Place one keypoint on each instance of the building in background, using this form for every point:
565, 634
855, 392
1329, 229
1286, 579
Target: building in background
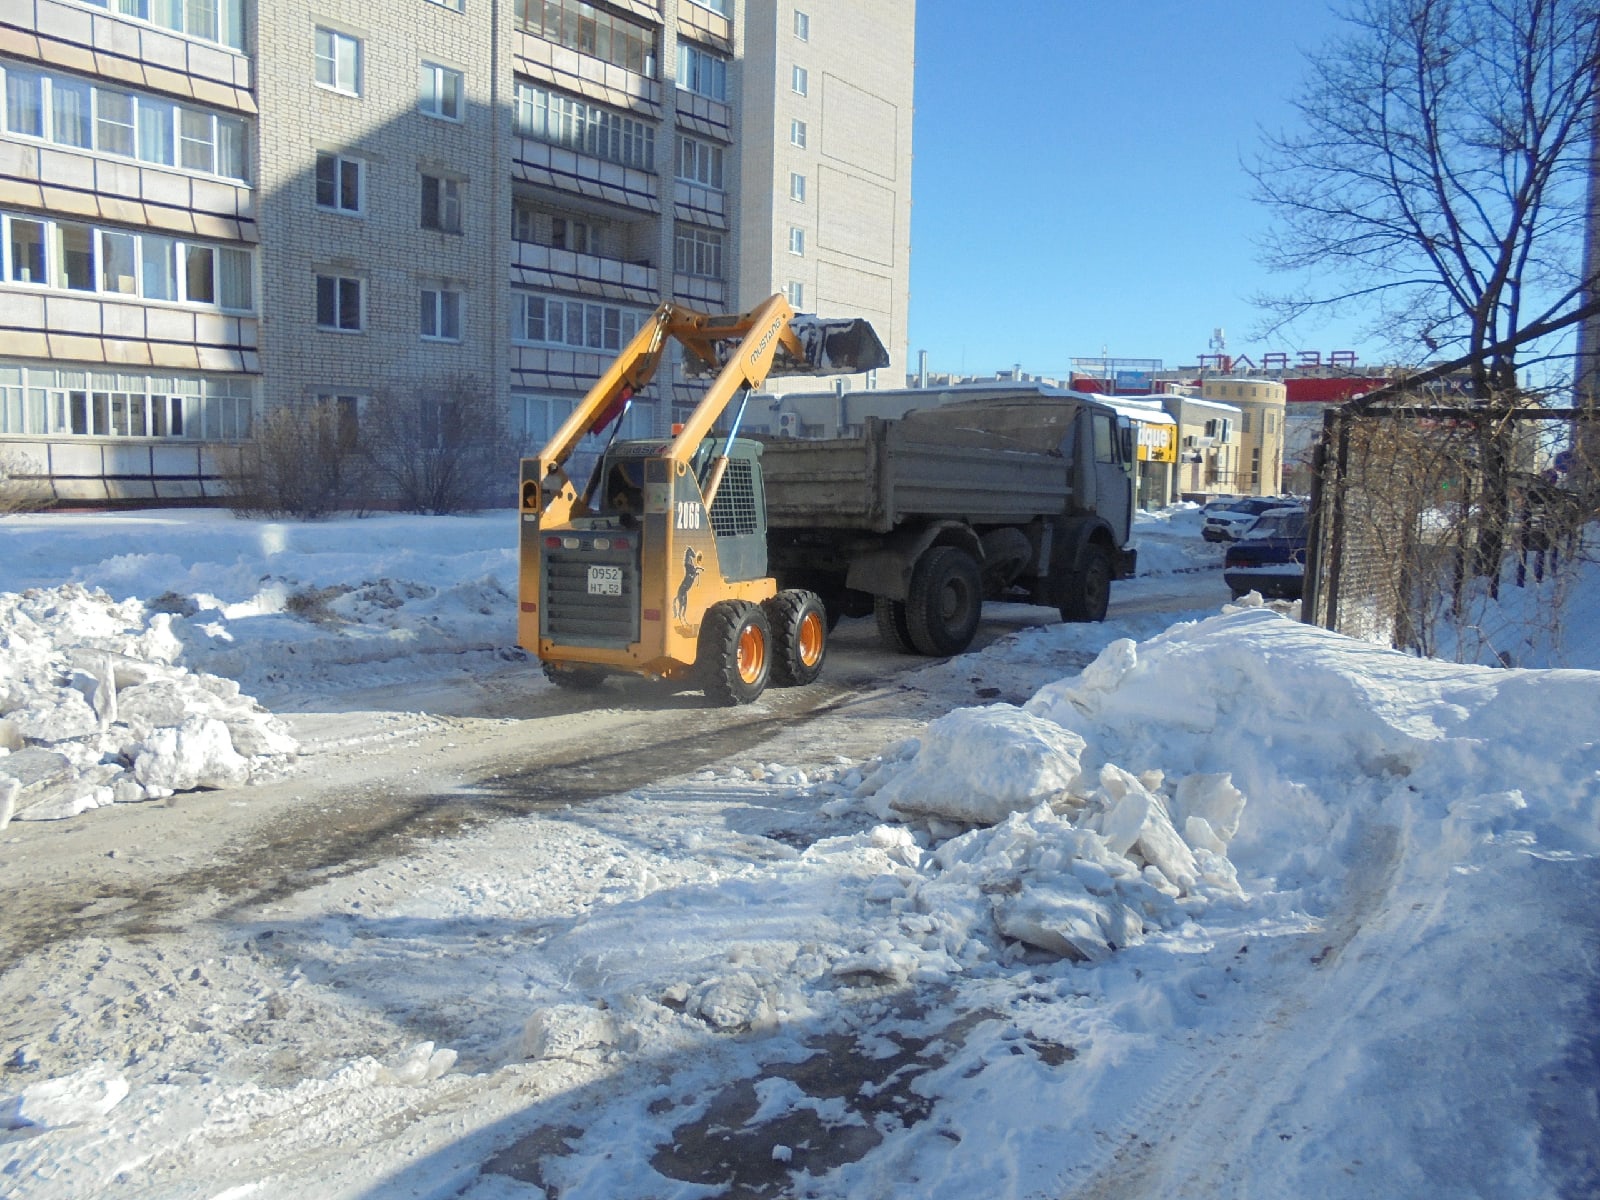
217, 209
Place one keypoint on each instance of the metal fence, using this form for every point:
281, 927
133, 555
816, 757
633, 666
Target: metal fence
1423, 516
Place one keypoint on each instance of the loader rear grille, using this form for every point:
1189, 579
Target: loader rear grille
572, 614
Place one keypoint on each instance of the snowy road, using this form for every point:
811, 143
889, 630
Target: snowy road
1189, 904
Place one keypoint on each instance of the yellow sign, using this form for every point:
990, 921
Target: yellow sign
1157, 443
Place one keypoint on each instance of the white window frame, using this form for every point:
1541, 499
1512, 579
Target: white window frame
795, 292
800, 81
700, 162
440, 307
593, 326
702, 72
802, 25
334, 65
453, 5
221, 22
338, 325
797, 187
442, 92
341, 163
229, 271
697, 252
797, 241
797, 133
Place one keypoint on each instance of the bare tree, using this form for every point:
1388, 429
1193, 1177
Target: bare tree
442, 449
302, 462
23, 488
1439, 180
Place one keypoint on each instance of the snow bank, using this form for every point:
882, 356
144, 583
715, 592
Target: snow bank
94, 709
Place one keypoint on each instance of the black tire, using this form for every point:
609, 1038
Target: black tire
945, 601
1088, 590
799, 637
735, 652
892, 630
574, 678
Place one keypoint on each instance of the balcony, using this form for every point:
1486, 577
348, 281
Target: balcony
549, 269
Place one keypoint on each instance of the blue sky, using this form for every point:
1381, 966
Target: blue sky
1077, 181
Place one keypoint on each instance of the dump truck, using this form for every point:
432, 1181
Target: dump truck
1016, 492
658, 566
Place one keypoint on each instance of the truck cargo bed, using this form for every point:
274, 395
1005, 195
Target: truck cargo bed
876, 481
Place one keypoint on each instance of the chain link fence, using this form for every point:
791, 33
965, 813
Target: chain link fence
1452, 531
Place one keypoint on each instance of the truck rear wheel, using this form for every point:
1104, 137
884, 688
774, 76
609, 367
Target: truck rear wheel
735, 652
945, 601
892, 630
1088, 590
799, 637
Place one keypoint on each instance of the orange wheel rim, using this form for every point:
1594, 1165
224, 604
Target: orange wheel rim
752, 653
810, 640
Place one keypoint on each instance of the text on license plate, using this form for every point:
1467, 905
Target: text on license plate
605, 581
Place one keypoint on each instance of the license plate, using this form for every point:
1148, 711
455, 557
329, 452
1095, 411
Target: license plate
605, 581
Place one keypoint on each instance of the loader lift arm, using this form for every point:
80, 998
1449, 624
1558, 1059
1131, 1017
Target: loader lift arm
737, 351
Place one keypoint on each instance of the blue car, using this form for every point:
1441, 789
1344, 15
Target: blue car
1269, 557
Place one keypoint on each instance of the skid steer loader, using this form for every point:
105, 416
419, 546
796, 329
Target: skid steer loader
659, 566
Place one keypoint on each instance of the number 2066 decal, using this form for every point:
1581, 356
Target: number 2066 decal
689, 514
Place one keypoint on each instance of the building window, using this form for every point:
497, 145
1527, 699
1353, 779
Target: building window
441, 315
796, 293
440, 92
797, 240
89, 116
799, 81
348, 406
716, 6
339, 303
339, 181
697, 251
577, 236
338, 61
578, 125
701, 72
797, 134
441, 204
457, 5
105, 404
700, 162
115, 262
802, 25
797, 187
220, 21
574, 324
592, 31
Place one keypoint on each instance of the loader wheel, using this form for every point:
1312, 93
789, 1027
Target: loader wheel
735, 653
577, 679
1088, 591
799, 637
944, 602
892, 630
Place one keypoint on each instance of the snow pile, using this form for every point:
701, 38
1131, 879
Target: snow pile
94, 709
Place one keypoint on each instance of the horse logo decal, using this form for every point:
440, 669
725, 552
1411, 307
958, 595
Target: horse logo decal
693, 568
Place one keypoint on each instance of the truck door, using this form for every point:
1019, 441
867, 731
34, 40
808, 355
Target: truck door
1113, 478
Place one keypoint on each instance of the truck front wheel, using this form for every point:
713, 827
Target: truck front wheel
1088, 590
945, 601
735, 652
799, 637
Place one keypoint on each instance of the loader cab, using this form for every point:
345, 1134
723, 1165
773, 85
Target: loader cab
739, 510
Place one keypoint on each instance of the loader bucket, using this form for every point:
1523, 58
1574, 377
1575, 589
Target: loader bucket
842, 346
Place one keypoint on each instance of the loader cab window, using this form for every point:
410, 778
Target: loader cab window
624, 488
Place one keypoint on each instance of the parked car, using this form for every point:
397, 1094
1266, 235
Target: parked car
1227, 523
1270, 556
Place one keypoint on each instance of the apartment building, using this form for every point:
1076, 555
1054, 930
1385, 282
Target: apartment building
213, 209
